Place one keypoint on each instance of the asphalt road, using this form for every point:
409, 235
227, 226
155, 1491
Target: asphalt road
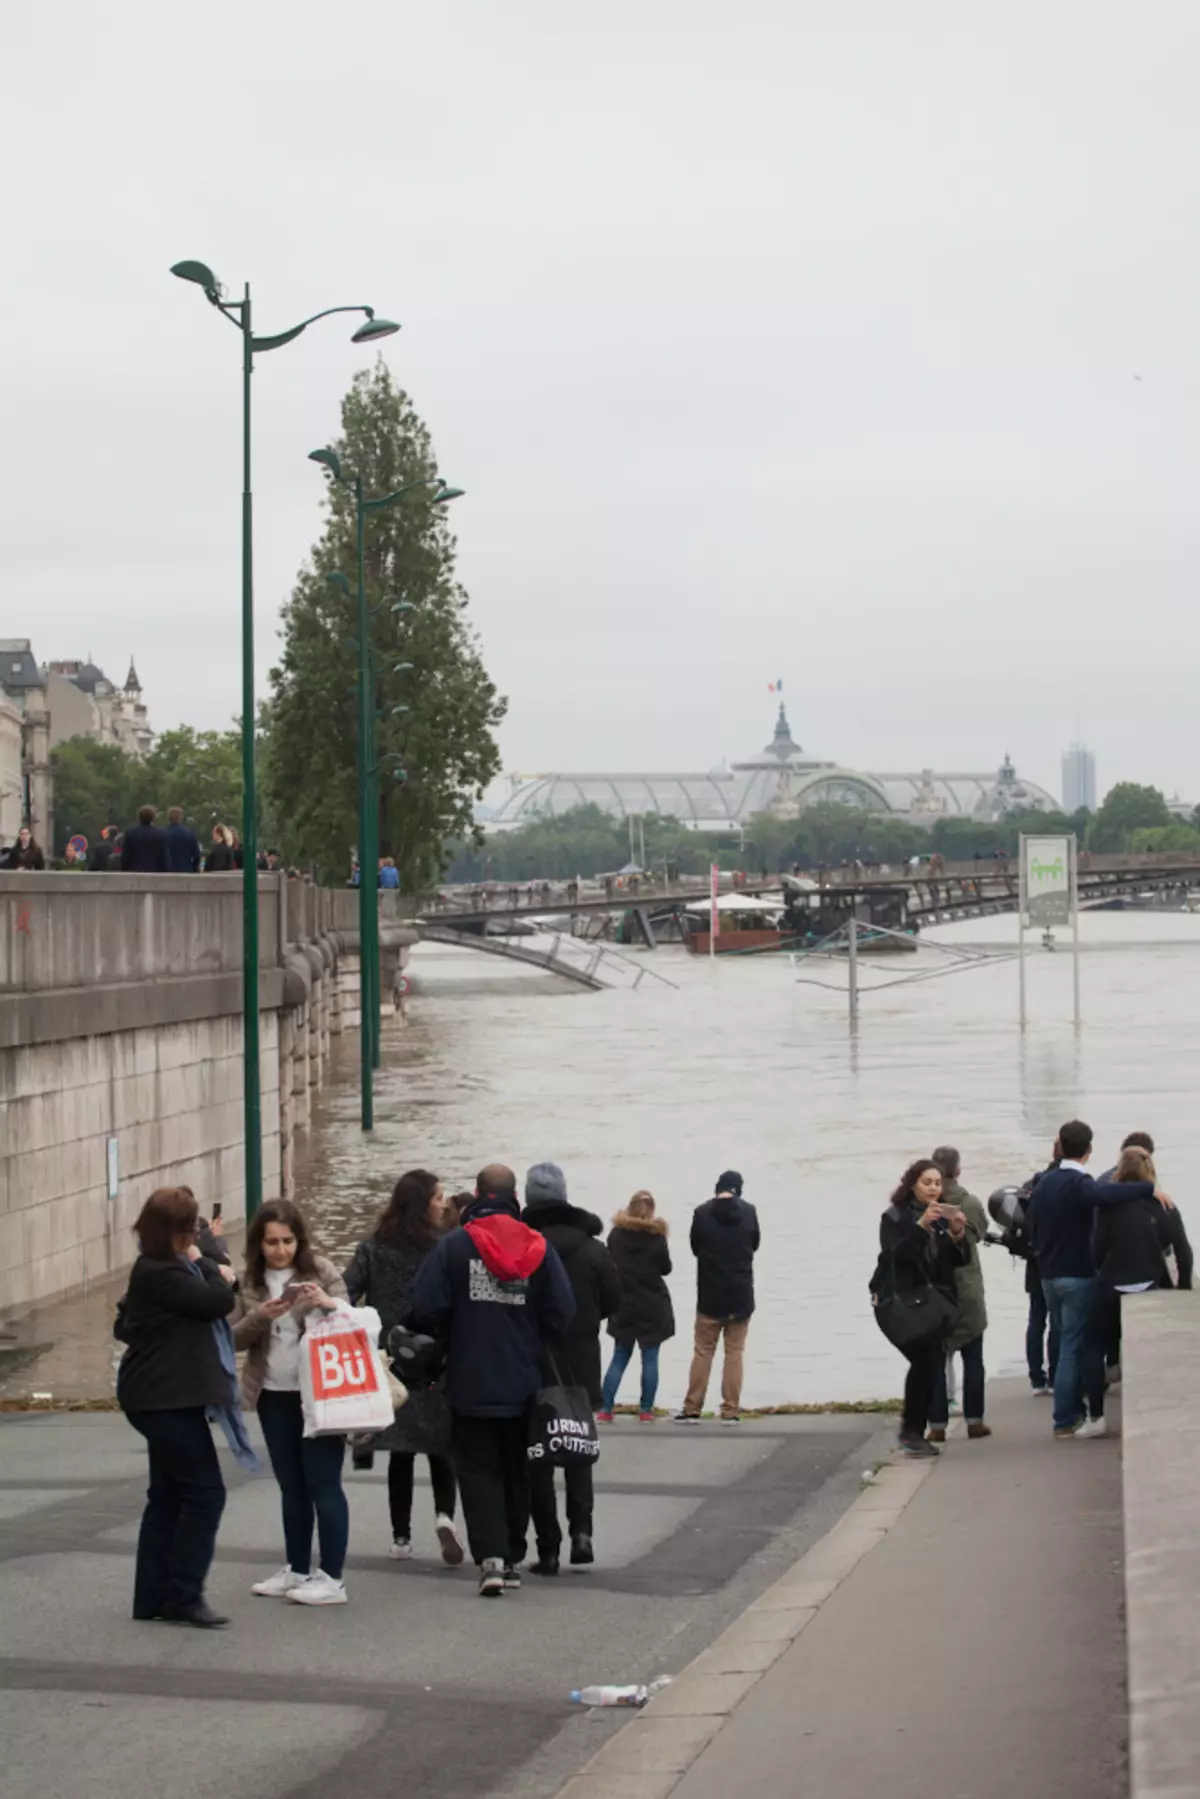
416, 1685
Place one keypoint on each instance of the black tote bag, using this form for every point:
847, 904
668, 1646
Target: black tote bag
916, 1319
562, 1425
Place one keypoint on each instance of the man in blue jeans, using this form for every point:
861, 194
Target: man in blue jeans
1061, 1213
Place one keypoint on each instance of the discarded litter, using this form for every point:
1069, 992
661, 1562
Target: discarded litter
632, 1696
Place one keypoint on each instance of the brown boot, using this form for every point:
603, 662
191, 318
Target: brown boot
979, 1430
936, 1433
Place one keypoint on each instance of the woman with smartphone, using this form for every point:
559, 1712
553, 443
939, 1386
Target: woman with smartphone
924, 1240
286, 1281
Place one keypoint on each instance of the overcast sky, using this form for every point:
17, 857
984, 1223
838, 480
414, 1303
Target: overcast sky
786, 339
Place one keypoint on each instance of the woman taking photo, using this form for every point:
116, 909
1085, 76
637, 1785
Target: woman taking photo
922, 1244
637, 1244
381, 1275
286, 1282
170, 1374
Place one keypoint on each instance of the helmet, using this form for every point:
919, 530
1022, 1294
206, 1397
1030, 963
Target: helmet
417, 1360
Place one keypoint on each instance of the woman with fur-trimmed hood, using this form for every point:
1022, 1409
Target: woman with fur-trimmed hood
645, 1317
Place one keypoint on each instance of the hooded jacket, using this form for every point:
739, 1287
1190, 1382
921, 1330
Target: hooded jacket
968, 1279
725, 1236
575, 1234
645, 1315
493, 1289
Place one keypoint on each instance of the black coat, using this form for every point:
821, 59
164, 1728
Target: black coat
920, 1258
1131, 1241
383, 1276
594, 1282
183, 850
166, 1318
219, 860
144, 851
645, 1315
493, 1289
725, 1236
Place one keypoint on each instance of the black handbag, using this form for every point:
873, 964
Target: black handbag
917, 1319
562, 1425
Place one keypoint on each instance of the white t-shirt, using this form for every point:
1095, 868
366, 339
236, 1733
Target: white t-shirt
283, 1345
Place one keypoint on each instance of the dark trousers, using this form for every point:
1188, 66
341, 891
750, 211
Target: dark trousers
973, 1386
544, 1504
184, 1502
400, 1488
1041, 1365
491, 1457
925, 1362
309, 1472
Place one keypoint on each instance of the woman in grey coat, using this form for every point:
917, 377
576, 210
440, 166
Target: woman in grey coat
381, 1275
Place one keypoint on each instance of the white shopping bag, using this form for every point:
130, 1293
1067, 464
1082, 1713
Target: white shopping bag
343, 1378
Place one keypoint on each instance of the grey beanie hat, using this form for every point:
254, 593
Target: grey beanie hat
545, 1185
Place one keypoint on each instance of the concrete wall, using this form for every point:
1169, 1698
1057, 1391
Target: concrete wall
120, 1019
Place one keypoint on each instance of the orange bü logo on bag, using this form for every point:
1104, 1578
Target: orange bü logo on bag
342, 1365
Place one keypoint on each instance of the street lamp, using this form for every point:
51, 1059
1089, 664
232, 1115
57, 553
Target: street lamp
368, 770
238, 314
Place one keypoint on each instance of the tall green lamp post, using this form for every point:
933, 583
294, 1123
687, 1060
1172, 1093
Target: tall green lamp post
368, 768
238, 314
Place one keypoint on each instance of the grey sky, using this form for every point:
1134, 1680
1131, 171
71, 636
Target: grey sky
789, 339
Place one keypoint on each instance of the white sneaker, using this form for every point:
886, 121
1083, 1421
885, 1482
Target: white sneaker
1094, 1427
452, 1549
401, 1549
279, 1585
318, 1589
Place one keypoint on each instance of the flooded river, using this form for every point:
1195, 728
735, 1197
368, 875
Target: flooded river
740, 1064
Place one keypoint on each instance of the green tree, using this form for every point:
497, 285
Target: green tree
445, 738
1127, 808
1172, 838
94, 785
198, 770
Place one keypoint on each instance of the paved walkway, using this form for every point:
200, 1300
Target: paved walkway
416, 1685
959, 1633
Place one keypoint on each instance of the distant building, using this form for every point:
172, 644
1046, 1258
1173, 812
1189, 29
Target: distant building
41, 707
1078, 778
782, 779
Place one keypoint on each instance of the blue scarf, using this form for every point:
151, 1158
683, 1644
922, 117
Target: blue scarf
230, 1417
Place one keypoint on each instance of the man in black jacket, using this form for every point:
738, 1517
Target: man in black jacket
573, 1358
725, 1238
144, 850
494, 1289
183, 846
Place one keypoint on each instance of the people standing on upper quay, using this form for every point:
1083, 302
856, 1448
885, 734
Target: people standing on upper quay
1172, 1234
1062, 1211
382, 1274
1130, 1257
725, 1239
923, 1244
144, 850
183, 846
645, 1317
494, 1290
25, 856
172, 1373
571, 1358
389, 874
286, 1282
220, 859
967, 1336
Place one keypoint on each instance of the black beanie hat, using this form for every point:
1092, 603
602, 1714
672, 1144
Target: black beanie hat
730, 1182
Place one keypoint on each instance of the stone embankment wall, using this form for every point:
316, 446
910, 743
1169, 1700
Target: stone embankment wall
121, 1052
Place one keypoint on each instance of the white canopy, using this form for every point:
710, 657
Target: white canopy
738, 902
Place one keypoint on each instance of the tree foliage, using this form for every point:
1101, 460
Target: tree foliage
98, 784
1127, 808
444, 740
93, 787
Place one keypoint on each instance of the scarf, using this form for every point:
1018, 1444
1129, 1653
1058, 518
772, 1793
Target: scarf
230, 1416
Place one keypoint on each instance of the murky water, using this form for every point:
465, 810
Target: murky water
744, 1066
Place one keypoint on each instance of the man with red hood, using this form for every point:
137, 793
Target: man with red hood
492, 1289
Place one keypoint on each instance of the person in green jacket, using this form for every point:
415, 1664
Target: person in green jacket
967, 1336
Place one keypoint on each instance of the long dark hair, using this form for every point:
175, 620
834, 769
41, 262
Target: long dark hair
905, 1192
278, 1211
404, 1222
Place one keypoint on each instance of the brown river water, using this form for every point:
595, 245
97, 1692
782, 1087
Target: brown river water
741, 1064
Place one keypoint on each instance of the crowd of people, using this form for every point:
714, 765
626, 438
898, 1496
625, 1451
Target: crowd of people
489, 1300
1087, 1245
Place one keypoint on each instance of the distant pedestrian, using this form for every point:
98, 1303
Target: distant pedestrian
381, 1274
966, 1339
144, 851
183, 846
25, 856
645, 1317
494, 1289
219, 860
389, 874
922, 1244
101, 852
172, 1372
725, 1239
286, 1282
571, 1357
